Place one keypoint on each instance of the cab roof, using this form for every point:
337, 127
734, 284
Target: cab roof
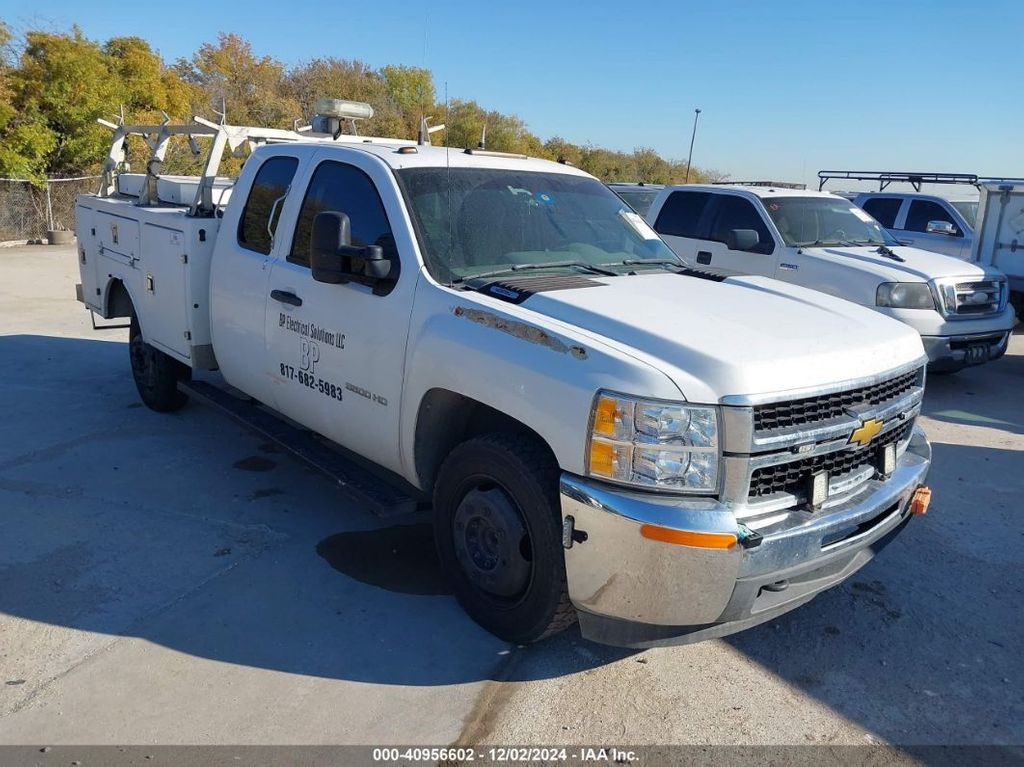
753, 191
919, 195
405, 154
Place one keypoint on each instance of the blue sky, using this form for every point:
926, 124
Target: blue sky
786, 87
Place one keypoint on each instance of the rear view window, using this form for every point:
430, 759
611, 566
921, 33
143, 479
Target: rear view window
681, 214
256, 229
884, 210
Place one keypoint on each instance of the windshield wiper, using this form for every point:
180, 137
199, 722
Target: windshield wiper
829, 243
882, 250
886, 252
591, 268
648, 262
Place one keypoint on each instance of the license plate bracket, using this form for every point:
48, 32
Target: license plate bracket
975, 354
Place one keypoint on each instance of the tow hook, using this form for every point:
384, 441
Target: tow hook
570, 534
748, 538
920, 500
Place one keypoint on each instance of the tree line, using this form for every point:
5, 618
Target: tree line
53, 87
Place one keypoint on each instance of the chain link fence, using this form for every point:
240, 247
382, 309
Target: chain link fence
28, 212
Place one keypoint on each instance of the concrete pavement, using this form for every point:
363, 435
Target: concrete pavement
171, 579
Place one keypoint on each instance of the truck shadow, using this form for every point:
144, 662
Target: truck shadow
977, 396
187, 531
921, 645
121, 522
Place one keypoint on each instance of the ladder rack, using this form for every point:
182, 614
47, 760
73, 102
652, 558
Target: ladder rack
224, 137
777, 184
884, 178
157, 138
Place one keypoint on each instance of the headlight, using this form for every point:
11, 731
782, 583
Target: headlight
661, 445
905, 295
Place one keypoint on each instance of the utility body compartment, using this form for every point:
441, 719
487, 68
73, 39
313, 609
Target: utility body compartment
162, 257
999, 237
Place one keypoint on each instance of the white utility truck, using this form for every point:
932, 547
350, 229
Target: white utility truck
602, 432
999, 235
825, 242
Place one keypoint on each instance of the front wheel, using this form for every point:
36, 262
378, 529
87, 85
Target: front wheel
156, 375
497, 525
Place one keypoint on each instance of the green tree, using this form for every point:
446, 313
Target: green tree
250, 86
465, 121
342, 79
146, 87
412, 91
51, 95
61, 85
6, 96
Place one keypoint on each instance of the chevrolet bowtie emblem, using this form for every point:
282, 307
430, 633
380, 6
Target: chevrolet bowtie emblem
866, 432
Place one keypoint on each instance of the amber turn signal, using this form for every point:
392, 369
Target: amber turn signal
920, 500
688, 537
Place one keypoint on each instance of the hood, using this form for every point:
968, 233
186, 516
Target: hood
917, 266
740, 336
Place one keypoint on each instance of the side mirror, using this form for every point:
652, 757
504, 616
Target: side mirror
333, 259
941, 227
742, 239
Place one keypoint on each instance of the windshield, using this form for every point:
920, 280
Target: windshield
968, 209
488, 220
814, 221
639, 200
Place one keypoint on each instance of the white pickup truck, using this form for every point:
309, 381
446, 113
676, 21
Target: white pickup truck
981, 224
823, 241
603, 433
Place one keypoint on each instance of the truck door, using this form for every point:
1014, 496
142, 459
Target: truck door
337, 352
732, 213
239, 272
913, 230
679, 221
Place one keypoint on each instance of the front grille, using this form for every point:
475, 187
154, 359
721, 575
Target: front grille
792, 477
812, 410
972, 299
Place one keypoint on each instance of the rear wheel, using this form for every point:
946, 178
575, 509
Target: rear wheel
156, 375
497, 526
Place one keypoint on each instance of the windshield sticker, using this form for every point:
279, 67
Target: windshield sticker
773, 206
544, 198
638, 225
862, 215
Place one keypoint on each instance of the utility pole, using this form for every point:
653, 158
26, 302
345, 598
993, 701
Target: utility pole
696, 114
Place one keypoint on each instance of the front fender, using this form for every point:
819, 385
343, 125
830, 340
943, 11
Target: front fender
538, 371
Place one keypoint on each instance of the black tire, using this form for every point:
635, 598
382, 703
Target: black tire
481, 487
156, 375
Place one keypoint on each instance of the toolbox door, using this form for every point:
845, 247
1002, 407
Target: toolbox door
162, 302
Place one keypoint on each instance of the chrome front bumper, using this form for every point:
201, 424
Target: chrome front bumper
636, 592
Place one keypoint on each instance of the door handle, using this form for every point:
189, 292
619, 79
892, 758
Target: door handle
703, 257
285, 297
